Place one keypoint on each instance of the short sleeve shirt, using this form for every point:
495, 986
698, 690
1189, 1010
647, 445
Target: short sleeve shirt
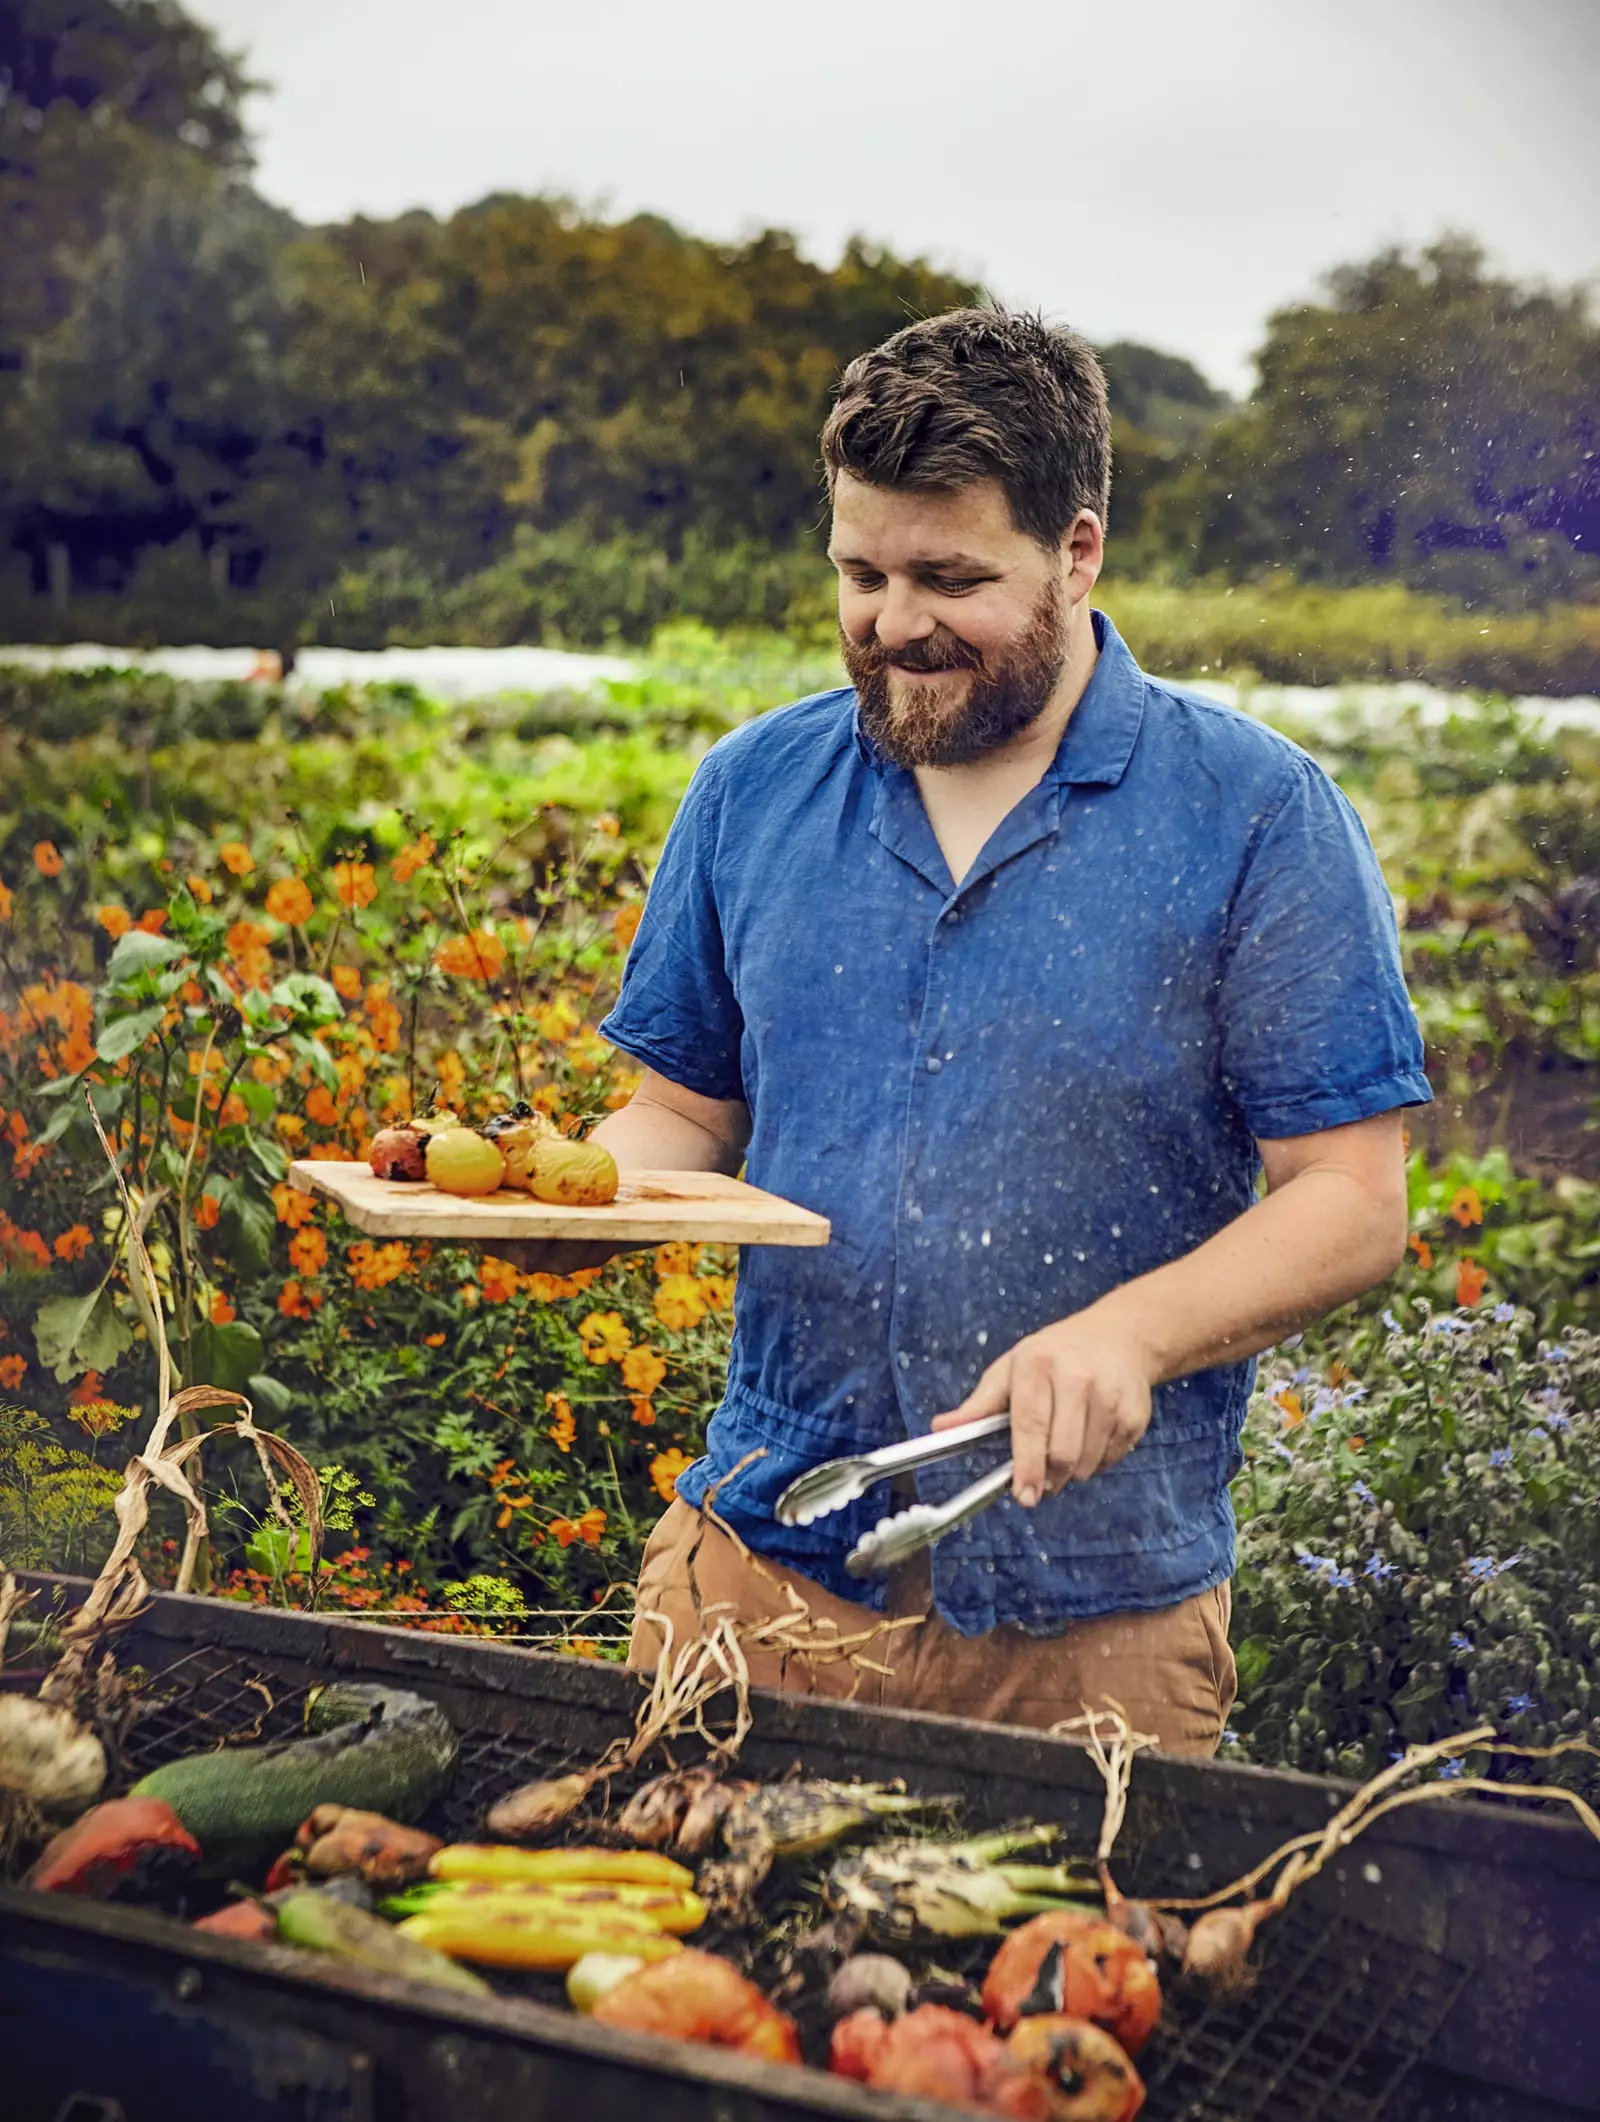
1009, 1096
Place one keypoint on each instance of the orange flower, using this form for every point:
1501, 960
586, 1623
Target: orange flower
74, 1243
680, 1302
270, 1070
236, 858
115, 920
347, 981
644, 1414
1288, 1405
625, 922
293, 1302
222, 1311
200, 888
206, 1211
290, 901
308, 1250
416, 856
1471, 1281
47, 858
500, 1279
1354, 1444
564, 1428
1467, 1208
548, 1289
643, 1370
89, 1387
292, 1206
153, 920
355, 884
665, 1468
433, 1340
290, 1126
479, 955
13, 1369
588, 1528
717, 1291
1422, 1249
677, 1258
320, 1106
31, 1245
376, 1266
605, 1339
5, 902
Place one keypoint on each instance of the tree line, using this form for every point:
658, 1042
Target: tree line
522, 420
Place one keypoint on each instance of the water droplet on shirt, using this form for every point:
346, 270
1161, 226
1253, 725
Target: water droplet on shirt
1077, 1255
983, 1337
984, 1239
838, 968
1049, 1259
1116, 1230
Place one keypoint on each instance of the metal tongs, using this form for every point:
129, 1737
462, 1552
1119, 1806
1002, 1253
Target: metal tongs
894, 1539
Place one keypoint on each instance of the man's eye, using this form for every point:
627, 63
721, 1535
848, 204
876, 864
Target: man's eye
867, 582
956, 589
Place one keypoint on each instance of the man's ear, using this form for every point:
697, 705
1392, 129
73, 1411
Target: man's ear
1083, 549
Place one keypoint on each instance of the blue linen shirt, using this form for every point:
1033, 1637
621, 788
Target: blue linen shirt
1009, 1096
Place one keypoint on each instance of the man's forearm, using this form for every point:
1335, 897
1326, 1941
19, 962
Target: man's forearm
1311, 1245
648, 1135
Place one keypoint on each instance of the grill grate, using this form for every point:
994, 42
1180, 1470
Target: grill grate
1338, 2018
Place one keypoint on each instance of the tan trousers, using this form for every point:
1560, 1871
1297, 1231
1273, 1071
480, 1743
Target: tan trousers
1171, 1671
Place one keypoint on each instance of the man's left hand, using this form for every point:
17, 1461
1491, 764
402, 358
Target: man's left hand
1079, 1395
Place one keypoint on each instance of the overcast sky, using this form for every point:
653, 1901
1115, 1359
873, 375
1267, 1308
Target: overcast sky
1150, 169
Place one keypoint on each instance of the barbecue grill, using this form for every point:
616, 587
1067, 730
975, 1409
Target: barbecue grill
1443, 1969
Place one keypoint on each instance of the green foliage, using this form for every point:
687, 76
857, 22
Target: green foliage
1419, 1547
1429, 421
55, 1503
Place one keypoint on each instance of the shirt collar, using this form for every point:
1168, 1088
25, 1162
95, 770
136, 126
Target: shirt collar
1103, 728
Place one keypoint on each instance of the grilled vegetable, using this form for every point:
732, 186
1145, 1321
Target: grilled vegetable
1076, 1963
514, 1135
590, 1978
536, 1809
398, 1153
47, 1758
337, 1839
871, 1981
683, 1808
459, 1161
934, 2053
251, 1920
700, 1997
953, 1889
576, 1174
1090, 2076
322, 1924
493, 1860
365, 1746
670, 1908
1218, 1948
109, 1846
789, 1820
549, 1937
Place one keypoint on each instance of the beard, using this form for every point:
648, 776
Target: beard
955, 723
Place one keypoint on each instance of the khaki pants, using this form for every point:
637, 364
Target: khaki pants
1171, 1671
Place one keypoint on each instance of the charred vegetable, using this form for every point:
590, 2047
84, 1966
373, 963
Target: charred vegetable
1073, 1962
323, 1924
549, 1936
786, 1821
47, 1757
497, 1862
337, 1839
669, 1908
376, 1747
680, 1810
934, 2053
514, 1135
399, 1153
951, 1889
869, 1981
1089, 2074
533, 1810
701, 1997
112, 1845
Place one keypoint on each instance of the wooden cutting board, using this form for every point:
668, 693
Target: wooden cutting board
651, 1208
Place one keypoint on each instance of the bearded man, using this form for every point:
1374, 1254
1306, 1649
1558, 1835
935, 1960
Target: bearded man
1024, 968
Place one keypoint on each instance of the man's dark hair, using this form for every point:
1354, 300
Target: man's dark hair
979, 394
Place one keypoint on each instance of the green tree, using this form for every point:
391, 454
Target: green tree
1429, 421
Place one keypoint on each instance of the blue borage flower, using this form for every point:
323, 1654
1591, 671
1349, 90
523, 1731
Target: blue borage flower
1360, 1488
1460, 1642
1485, 1568
1327, 1567
1451, 1323
1519, 1705
1377, 1567
1503, 1314
1502, 1455
1449, 1770
1394, 1327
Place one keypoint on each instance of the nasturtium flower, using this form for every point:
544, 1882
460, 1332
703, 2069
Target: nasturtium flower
308, 1250
236, 858
718, 1291
355, 884
479, 955
417, 856
1422, 1249
376, 1266
605, 1339
206, 1212
499, 1278
153, 920
588, 1528
1471, 1282
1467, 1207
13, 1369
290, 901
320, 1106
347, 981
680, 1302
293, 1302
74, 1243
200, 887
676, 1258
665, 1468
222, 1311
47, 858
563, 1429
643, 1370
292, 1206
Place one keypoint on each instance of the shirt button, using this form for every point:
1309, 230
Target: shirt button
933, 1064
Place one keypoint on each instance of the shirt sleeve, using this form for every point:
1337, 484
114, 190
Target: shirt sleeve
1317, 1027
677, 1012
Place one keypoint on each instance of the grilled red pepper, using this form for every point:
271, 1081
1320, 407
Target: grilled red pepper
97, 1853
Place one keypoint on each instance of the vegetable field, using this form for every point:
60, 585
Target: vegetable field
250, 927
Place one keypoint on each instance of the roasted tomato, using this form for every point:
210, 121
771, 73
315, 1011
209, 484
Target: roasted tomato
1079, 1964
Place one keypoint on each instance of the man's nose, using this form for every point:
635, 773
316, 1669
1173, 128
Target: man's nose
902, 617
